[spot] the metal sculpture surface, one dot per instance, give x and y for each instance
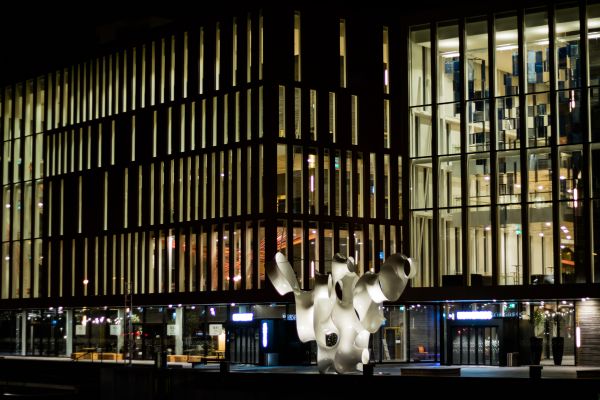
(343, 309)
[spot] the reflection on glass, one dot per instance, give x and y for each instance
(510, 249)
(568, 69)
(572, 242)
(540, 175)
(480, 245)
(537, 69)
(539, 130)
(449, 179)
(449, 128)
(569, 117)
(478, 126)
(420, 131)
(477, 59)
(449, 79)
(479, 179)
(420, 65)
(541, 251)
(509, 177)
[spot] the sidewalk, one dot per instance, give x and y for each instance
(471, 371)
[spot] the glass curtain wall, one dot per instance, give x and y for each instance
(494, 109)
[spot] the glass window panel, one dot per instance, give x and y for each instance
(572, 242)
(478, 125)
(359, 248)
(450, 244)
(386, 123)
(313, 251)
(313, 115)
(16, 270)
(261, 254)
(298, 113)
(298, 251)
(568, 69)
(569, 117)
(225, 257)
(343, 53)
(540, 243)
(593, 24)
(281, 111)
(282, 237)
(386, 61)
(332, 117)
(297, 180)
(7, 205)
(570, 163)
(477, 59)
(480, 243)
(337, 183)
(510, 261)
(297, 44)
(371, 249)
(249, 254)
(595, 174)
(313, 183)
(421, 193)
(328, 250)
(479, 179)
(539, 130)
(349, 183)
(16, 211)
(595, 113)
(420, 65)
(507, 124)
(359, 184)
(540, 175)
(537, 68)
(386, 186)
(420, 131)
(422, 244)
(509, 177)
(354, 118)
(449, 79)
(449, 128)
(596, 240)
(449, 183)
(5, 269)
(373, 184)
(237, 256)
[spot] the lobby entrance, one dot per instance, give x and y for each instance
(474, 345)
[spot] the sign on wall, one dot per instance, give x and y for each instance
(80, 330)
(215, 329)
(115, 330)
(171, 330)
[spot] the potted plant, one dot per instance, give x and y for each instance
(535, 343)
(558, 347)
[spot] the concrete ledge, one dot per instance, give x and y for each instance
(588, 373)
(436, 371)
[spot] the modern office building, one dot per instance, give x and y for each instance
(145, 189)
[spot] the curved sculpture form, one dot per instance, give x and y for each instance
(343, 309)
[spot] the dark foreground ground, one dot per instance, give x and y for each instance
(53, 379)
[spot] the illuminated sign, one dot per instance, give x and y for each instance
(461, 315)
(265, 332)
(242, 317)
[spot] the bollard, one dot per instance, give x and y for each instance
(535, 371)
(224, 367)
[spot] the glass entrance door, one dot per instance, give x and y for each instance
(244, 344)
(475, 345)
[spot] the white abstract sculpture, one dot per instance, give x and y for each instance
(343, 309)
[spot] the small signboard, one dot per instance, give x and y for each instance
(115, 330)
(80, 330)
(215, 329)
(171, 330)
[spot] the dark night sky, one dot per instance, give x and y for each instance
(36, 43)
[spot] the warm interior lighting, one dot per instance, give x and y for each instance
(578, 337)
